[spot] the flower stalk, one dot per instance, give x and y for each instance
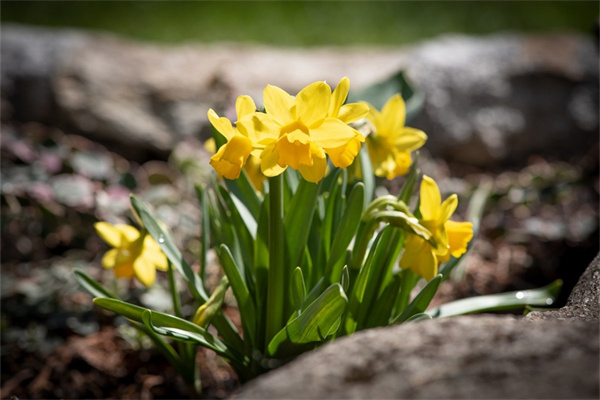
(276, 276)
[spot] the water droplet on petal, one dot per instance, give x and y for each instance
(549, 301)
(520, 295)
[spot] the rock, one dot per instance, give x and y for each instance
(464, 357)
(150, 97)
(488, 100)
(498, 99)
(545, 355)
(584, 301)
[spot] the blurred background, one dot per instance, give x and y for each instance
(103, 99)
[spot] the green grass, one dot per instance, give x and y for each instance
(294, 23)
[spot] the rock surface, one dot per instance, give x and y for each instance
(584, 301)
(488, 100)
(546, 355)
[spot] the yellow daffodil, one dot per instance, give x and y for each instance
(252, 166)
(343, 156)
(451, 238)
(133, 254)
(391, 142)
(231, 157)
(295, 131)
(299, 131)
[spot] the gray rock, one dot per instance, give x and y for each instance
(464, 357)
(488, 100)
(584, 301)
(545, 355)
(497, 99)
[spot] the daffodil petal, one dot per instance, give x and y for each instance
(430, 199)
(144, 270)
(109, 233)
(109, 260)
(373, 115)
(268, 162)
(315, 172)
(410, 139)
(393, 115)
(414, 248)
(344, 155)
(312, 103)
(353, 112)
(402, 163)
(331, 133)
(221, 124)
(447, 208)
(338, 97)
(261, 128)
(210, 145)
(427, 264)
(153, 252)
(278, 104)
(244, 106)
(459, 236)
(128, 232)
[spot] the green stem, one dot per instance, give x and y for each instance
(409, 280)
(276, 275)
(174, 292)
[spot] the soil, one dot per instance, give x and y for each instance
(541, 224)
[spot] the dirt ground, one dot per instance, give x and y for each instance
(540, 224)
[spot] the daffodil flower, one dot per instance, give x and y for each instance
(343, 156)
(133, 254)
(299, 131)
(252, 166)
(450, 238)
(391, 142)
(231, 157)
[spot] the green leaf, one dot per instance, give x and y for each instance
(298, 219)
(241, 293)
(93, 287)
(367, 175)
(298, 288)
(418, 317)
(379, 93)
(421, 302)
(312, 326)
(168, 247)
(545, 296)
(345, 279)
(407, 282)
(205, 224)
(161, 320)
(348, 225)
(381, 312)
(385, 253)
(243, 189)
(411, 181)
(242, 231)
(378, 264)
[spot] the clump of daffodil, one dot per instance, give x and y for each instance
(449, 237)
(295, 131)
(133, 253)
(391, 143)
(299, 131)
